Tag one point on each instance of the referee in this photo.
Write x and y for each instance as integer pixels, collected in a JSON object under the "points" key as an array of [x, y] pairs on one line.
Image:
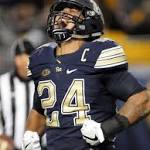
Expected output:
{"points": [[16, 97]]}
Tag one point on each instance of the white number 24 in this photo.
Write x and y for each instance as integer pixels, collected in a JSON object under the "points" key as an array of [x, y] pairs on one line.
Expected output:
{"points": [[76, 91]]}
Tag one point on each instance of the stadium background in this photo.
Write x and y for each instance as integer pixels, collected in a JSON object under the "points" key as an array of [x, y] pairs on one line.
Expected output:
{"points": [[127, 22]]}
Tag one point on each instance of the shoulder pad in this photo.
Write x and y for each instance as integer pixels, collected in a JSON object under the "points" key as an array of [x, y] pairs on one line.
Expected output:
{"points": [[103, 40], [42, 53], [40, 56], [110, 55], [105, 43], [50, 44]]}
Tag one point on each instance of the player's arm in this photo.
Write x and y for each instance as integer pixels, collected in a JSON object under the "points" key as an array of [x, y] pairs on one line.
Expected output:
{"points": [[136, 107], [36, 122], [35, 126], [137, 102], [123, 86]]}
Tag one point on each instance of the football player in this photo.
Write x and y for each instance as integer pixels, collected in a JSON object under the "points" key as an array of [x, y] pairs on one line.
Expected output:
{"points": [[78, 78]]}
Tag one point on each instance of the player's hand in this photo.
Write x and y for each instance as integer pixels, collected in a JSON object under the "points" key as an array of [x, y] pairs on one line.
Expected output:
{"points": [[92, 132], [31, 141]]}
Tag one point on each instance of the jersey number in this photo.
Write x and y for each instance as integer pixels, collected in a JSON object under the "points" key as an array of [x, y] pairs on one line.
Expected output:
{"points": [[72, 103]]}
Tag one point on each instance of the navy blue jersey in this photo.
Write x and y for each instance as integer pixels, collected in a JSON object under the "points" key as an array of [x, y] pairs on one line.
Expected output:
{"points": [[69, 89]]}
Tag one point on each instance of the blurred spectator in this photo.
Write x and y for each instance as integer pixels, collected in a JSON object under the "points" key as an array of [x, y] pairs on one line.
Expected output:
{"points": [[16, 99], [129, 15], [19, 20], [7, 2], [109, 7], [42, 17]]}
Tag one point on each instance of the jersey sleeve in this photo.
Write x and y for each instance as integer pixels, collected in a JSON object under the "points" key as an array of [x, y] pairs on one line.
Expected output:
{"points": [[111, 63], [111, 57], [39, 61], [122, 84], [36, 100], [33, 72], [39, 57]]}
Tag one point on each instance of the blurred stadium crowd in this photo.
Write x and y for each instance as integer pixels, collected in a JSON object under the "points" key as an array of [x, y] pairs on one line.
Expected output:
{"points": [[127, 21], [27, 18]]}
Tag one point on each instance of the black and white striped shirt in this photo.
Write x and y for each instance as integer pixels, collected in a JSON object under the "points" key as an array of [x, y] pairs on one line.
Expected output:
{"points": [[16, 97]]}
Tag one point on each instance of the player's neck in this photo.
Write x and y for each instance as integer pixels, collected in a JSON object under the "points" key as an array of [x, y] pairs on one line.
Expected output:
{"points": [[69, 47]]}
